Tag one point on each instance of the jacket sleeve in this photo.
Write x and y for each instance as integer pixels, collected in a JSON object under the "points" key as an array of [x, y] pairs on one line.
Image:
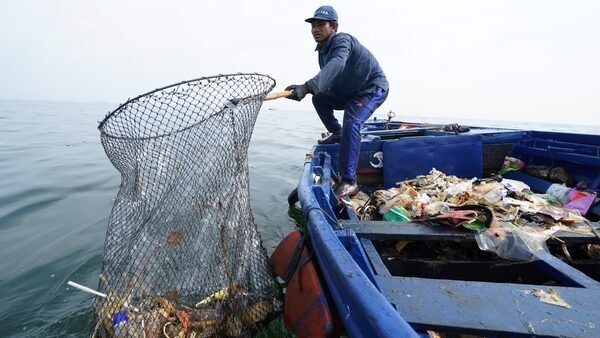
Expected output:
{"points": [[333, 68]]}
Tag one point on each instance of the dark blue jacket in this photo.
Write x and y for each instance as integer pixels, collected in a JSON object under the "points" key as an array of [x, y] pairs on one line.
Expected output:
{"points": [[348, 69]]}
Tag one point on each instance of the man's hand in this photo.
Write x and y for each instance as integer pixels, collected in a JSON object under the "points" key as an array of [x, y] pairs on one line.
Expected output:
{"points": [[298, 92]]}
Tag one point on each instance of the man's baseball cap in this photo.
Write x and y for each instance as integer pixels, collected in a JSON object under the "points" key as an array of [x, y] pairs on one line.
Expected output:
{"points": [[324, 13]]}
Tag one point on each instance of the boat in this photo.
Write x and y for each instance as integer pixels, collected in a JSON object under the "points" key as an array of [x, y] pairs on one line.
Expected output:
{"points": [[378, 295]]}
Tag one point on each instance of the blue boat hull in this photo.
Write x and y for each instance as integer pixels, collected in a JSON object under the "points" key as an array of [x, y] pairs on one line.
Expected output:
{"points": [[374, 301]]}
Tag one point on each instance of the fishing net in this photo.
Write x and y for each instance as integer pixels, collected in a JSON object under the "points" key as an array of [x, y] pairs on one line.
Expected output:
{"points": [[182, 256]]}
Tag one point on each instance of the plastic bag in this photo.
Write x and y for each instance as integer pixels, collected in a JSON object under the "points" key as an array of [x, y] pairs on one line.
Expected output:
{"points": [[514, 185], [436, 208], [512, 242], [560, 191], [580, 200], [460, 187], [511, 164], [397, 214]]}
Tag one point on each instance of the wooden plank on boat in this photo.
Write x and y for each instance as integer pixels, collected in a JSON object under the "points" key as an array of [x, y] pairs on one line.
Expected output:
{"points": [[374, 258], [480, 307], [404, 230], [416, 231], [563, 272], [593, 161]]}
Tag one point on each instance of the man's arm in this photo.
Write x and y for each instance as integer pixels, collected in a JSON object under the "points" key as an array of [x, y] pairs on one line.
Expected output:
{"points": [[334, 67]]}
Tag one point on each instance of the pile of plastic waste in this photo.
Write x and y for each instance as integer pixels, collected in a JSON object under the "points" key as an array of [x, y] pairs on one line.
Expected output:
{"points": [[507, 217]]}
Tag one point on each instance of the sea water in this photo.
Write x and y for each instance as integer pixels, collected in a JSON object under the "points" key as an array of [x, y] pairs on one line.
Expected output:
{"points": [[57, 188]]}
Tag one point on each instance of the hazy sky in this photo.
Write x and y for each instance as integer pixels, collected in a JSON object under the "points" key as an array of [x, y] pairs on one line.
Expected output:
{"points": [[506, 60]]}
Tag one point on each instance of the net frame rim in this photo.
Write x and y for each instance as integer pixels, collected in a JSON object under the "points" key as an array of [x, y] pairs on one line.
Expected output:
{"points": [[116, 111]]}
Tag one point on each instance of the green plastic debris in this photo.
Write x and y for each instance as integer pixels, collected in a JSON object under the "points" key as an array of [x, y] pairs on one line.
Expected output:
{"points": [[511, 164], [397, 214], [475, 226]]}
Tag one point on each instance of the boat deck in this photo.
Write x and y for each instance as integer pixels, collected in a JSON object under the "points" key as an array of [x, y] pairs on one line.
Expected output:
{"points": [[481, 307]]}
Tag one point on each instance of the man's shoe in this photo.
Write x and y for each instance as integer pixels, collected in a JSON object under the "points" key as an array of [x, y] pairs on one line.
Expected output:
{"points": [[346, 189], [331, 139]]}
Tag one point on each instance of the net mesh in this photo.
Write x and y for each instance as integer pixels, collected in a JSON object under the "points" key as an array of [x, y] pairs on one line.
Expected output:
{"points": [[182, 256]]}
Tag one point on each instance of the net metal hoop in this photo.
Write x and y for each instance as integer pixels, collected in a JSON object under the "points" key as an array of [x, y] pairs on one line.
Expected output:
{"points": [[102, 127]]}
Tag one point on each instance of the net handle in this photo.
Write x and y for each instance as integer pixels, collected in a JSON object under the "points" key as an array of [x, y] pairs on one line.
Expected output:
{"points": [[276, 95]]}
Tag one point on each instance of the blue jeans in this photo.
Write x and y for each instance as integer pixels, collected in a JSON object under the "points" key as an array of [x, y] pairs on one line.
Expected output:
{"points": [[356, 111]]}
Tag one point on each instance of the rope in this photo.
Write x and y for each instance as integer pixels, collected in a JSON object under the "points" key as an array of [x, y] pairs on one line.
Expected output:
{"points": [[338, 225]]}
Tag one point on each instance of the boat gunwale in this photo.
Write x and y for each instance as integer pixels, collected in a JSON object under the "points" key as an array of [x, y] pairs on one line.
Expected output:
{"points": [[363, 308]]}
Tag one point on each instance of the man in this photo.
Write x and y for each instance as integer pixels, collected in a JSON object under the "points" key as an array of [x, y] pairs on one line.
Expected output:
{"points": [[350, 79]]}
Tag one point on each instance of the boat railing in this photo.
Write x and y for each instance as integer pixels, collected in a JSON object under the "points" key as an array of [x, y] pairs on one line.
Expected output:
{"points": [[360, 304]]}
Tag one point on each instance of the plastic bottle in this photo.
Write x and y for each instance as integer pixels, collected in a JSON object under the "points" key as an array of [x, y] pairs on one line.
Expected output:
{"points": [[119, 321], [494, 196]]}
